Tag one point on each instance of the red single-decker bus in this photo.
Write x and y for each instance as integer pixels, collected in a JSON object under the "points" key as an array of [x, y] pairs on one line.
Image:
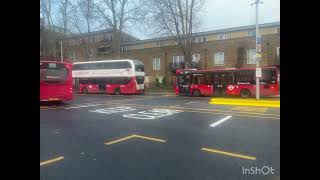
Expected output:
{"points": [[226, 82], [55, 81]]}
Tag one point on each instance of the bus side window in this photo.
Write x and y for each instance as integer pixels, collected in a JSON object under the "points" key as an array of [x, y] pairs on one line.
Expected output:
{"points": [[230, 78], [208, 79]]}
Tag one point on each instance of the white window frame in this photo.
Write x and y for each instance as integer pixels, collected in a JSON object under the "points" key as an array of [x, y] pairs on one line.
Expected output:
{"points": [[252, 33], [73, 56], [251, 53], [156, 63], [197, 40], [124, 48], [278, 51], [217, 60], [177, 59], [201, 39], [194, 58], [90, 52], [224, 36], [204, 39], [110, 37]]}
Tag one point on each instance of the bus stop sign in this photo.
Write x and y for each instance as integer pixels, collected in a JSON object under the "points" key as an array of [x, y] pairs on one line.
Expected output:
{"points": [[258, 57], [258, 72]]}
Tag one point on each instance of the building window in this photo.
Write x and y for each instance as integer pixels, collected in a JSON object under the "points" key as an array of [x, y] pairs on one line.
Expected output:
{"points": [[108, 37], [222, 36], [93, 39], [201, 39], [195, 58], [124, 48], [156, 63], [90, 52], [177, 61], [252, 33], [251, 53], [73, 56], [219, 58], [104, 50]]}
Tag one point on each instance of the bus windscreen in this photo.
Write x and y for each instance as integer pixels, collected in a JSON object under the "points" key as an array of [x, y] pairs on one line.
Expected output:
{"points": [[53, 73]]}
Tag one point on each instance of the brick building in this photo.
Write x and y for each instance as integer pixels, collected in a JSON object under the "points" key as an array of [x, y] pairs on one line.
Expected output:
{"points": [[233, 47]]}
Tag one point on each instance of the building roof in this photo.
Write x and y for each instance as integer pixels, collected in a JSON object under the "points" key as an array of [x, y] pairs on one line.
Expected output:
{"points": [[98, 32], [248, 27]]}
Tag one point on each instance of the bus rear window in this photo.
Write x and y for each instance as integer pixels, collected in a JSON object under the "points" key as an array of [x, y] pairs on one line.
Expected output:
{"points": [[53, 73]]}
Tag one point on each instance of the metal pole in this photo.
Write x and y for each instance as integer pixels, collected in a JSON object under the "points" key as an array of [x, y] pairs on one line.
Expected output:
{"points": [[257, 61], [61, 50]]}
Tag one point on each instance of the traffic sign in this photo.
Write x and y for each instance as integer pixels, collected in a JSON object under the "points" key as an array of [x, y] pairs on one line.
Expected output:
{"points": [[258, 57], [258, 72]]}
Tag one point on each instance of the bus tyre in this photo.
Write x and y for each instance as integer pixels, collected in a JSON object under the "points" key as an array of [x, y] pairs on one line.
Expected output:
{"points": [[245, 93], [117, 91], [196, 93]]}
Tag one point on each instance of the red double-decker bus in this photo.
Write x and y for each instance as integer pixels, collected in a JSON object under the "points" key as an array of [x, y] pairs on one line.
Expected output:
{"points": [[55, 81], [109, 76], [226, 82]]}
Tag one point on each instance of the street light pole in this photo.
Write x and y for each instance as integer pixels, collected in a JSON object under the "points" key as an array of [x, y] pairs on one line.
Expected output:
{"points": [[257, 51], [61, 55]]}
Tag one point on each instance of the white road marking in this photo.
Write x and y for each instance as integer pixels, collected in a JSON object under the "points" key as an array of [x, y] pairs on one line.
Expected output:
{"points": [[191, 102], [220, 121], [113, 110], [152, 114]]}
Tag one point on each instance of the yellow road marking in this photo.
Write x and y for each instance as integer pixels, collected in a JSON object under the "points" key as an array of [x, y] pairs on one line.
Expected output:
{"points": [[135, 136], [149, 138], [246, 102], [229, 154], [51, 160], [119, 140]]}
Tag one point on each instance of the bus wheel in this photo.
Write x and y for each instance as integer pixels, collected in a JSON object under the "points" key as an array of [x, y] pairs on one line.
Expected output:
{"points": [[245, 93], [117, 91], [85, 91], [196, 92]]}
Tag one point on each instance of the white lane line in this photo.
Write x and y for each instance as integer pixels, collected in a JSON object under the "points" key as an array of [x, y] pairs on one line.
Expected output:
{"points": [[220, 121], [191, 102]]}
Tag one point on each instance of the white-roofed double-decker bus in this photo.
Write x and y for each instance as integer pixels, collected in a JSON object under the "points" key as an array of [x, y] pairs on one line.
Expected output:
{"points": [[110, 76]]}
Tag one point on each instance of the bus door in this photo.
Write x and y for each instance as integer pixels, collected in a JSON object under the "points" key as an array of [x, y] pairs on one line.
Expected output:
{"points": [[219, 83], [184, 82], [102, 85]]}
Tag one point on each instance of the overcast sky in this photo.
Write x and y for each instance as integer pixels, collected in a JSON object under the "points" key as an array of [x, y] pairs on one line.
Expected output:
{"points": [[217, 14], [220, 14]]}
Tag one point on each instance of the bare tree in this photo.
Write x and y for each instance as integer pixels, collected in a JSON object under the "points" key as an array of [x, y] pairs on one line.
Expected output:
{"points": [[68, 11], [86, 11], [45, 11], [177, 19], [117, 15]]}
